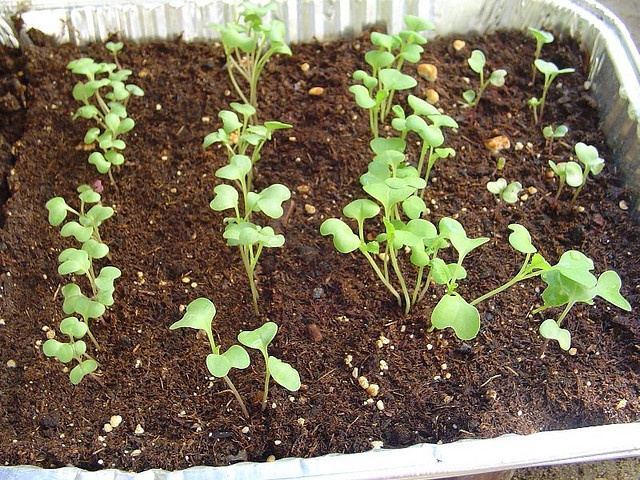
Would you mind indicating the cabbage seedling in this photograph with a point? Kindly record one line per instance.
(376, 91)
(550, 134)
(249, 43)
(104, 97)
(477, 62)
(283, 373)
(75, 261)
(240, 231)
(199, 315)
(241, 137)
(507, 192)
(550, 72)
(542, 38)
(430, 134)
(593, 164)
(569, 173)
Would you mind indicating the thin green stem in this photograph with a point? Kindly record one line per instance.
(233, 389)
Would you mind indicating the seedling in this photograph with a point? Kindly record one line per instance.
(104, 97)
(80, 262)
(74, 349)
(283, 373)
(593, 164)
(506, 191)
(377, 91)
(199, 314)
(550, 72)
(249, 43)
(542, 38)
(431, 135)
(477, 62)
(240, 231)
(241, 137)
(572, 174)
(551, 134)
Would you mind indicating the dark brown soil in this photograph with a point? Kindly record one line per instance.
(436, 388)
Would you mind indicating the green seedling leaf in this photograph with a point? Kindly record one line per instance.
(114, 47)
(284, 374)
(497, 77)
(378, 59)
(477, 61)
(75, 261)
(520, 239)
(91, 135)
(87, 194)
(226, 197)
(541, 36)
(104, 281)
(588, 155)
(230, 121)
(102, 164)
(269, 201)
(550, 68)
(95, 249)
(219, 365)
(440, 271)
(344, 240)
(81, 370)
(77, 231)
(369, 82)
(577, 266)
(96, 215)
(360, 210)
(392, 79)
(383, 40)
(199, 314)
(422, 107)
(362, 96)
(62, 351)
(550, 330)
(414, 207)
(260, 338)
(73, 327)
(418, 24)
(453, 311)
(58, 209)
(608, 287)
(469, 96)
(238, 168)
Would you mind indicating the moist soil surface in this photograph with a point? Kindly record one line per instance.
(333, 313)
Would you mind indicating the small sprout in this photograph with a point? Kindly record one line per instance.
(74, 261)
(105, 97)
(477, 63)
(550, 72)
(572, 174)
(507, 192)
(283, 373)
(551, 134)
(542, 38)
(500, 163)
(249, 43)
(199, 315)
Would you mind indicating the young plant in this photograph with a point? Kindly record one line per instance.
(569, 173)
(104, 97)
(199, 315)
(74, 349)
(283, 373)
(550, 72)
(572, 174)
(377, 91)
(80, 262)
(240, 231)
(241, 137)
(477, 62)
(542, 38)
(568, 282)
(431, 135)
(550, 134)
(249, 43)
(394, 186)
(507, 192)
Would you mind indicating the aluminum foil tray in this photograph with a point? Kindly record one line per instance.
(614, 79)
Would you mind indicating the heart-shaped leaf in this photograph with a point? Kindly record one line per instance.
(453, 311)
(550, 330)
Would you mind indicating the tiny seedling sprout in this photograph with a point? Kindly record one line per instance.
(550, 72)
(542, 38)
(507, 192)
(477, 62)
(572, 174)
(550, 134)
(283, 373)
(199, 315)
(249, 43)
